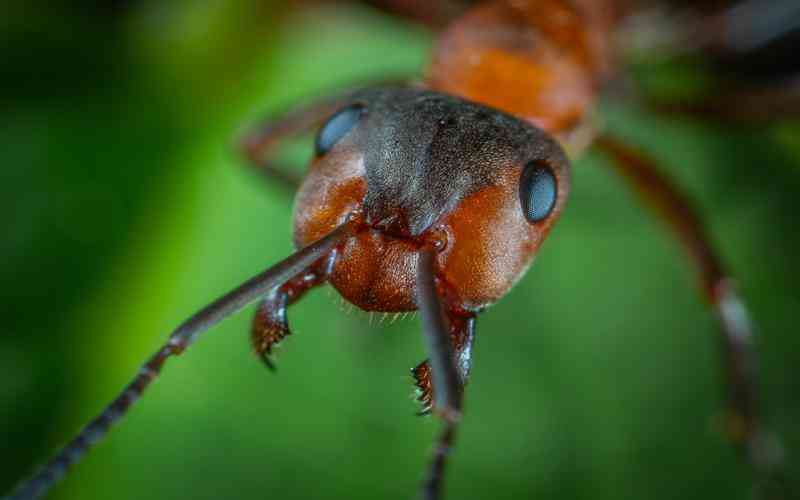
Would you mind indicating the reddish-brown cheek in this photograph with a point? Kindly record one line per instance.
(491, 244)
(371, 271)
(332, 189)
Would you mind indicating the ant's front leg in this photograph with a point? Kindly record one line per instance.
(462, 337)
(270, 325)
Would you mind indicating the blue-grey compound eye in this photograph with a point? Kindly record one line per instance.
(538, 191)
(337, 127)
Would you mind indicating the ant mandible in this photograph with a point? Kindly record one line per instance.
(437, 196)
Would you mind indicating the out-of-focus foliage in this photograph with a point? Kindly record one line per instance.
(125, 209)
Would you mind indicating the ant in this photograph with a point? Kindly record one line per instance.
(436, 197)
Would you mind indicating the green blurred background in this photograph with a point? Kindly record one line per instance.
(125, 209)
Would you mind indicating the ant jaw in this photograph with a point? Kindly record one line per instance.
(424, 389)
(393, 225)
(269, 326)
(265, 358)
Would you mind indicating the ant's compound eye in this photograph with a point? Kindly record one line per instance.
(337, 127)
(538, 191)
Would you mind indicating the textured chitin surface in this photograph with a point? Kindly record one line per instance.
(492, 243)
(538, 59)
(423, 166)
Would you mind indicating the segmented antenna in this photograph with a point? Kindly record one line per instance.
(52, 471)
(56, 468)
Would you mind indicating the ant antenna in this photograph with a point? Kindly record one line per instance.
(52, 471)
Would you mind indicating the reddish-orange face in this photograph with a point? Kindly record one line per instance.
(421, 168)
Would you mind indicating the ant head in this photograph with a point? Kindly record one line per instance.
(427, 168)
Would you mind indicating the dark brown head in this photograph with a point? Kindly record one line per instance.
(424, 168)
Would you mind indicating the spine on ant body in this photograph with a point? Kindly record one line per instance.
(540, 60)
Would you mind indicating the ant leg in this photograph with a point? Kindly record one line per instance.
(178, 341)
(434, 15)
(748, 44)
(741, 105)
(260, 143)
(448, 393)
(270, 325)
(761, 448)
(462, 337)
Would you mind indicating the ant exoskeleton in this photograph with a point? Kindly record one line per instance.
(437, 197)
